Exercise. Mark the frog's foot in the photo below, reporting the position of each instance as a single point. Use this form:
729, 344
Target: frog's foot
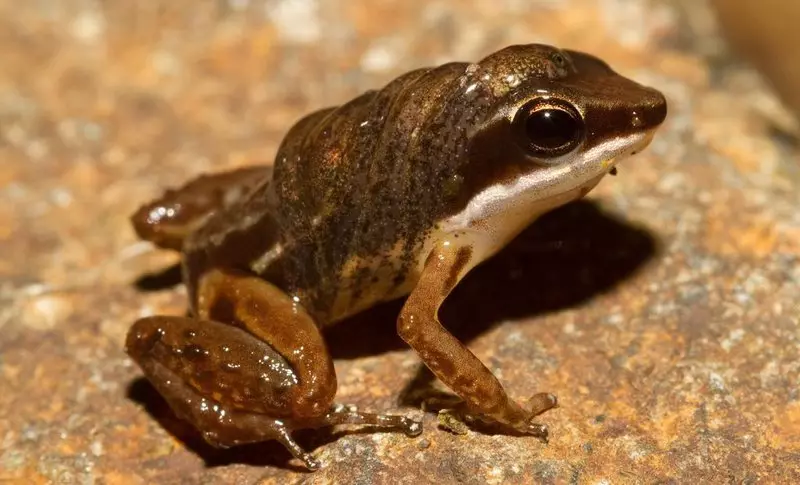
523, 421
342, 414
225, 426
349, 414
244, 427
538, 404
458, 418
259, 428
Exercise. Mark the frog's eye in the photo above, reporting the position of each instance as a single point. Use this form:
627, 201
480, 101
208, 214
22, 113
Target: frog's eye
559, 60
549, 128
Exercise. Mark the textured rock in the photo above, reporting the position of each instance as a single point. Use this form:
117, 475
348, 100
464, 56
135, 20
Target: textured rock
663, 312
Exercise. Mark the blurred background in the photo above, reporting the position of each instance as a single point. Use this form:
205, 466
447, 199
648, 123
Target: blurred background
765, 34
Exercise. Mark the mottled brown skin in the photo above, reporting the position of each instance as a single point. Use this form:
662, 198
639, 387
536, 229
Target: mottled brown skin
387, 195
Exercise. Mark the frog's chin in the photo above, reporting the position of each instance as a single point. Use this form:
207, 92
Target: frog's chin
538, 191
589, 185
610, 165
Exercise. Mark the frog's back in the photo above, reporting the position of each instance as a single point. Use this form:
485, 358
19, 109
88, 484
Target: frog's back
357, 187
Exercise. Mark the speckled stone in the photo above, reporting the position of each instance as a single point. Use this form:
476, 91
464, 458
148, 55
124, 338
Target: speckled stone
663, 311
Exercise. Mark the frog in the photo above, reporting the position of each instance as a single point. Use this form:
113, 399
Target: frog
395, 194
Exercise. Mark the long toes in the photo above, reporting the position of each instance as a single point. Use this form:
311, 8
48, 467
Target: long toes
542, 402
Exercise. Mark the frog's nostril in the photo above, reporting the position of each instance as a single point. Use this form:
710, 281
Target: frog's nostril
657, 112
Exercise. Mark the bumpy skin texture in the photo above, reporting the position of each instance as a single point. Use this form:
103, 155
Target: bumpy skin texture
389, 194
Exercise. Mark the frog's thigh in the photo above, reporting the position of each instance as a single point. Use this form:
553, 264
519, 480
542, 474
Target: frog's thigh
167, 220
224, 381
259, 375
270, 315
447, 357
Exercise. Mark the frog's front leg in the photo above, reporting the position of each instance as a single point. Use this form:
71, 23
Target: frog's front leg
448, 358
251, 367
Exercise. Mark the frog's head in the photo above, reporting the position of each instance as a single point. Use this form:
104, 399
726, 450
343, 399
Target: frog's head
557, 121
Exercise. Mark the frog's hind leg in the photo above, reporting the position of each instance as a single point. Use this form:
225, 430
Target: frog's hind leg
252, 367
167, 220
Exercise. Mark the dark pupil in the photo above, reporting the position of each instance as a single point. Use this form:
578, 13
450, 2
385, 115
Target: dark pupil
550, 128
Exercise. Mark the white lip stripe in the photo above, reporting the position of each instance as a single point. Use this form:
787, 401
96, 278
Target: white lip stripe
542, 184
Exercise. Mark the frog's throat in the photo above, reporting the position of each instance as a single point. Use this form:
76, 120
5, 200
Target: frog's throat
581, 169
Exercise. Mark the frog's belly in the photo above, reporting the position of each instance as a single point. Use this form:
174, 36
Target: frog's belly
365, 282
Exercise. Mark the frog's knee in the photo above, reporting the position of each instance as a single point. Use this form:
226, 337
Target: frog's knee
144, 334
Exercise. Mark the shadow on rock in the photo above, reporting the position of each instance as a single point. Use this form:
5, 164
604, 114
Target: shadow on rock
167, 278
564, 259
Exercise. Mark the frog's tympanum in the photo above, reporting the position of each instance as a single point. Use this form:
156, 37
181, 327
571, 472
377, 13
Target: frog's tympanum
401, 191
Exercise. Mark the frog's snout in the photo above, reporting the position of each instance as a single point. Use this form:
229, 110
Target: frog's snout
652, 112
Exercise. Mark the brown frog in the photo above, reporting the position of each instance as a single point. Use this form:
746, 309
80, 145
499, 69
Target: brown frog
400, 191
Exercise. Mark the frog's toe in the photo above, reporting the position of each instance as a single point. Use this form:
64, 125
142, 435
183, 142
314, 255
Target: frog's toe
311, 463
538, 430
542, 402
411, 427
453, 421
344, 414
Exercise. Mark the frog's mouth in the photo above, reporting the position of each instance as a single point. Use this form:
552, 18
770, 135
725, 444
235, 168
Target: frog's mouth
611, 163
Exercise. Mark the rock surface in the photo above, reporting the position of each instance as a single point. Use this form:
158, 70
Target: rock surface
663, 311
763, 32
